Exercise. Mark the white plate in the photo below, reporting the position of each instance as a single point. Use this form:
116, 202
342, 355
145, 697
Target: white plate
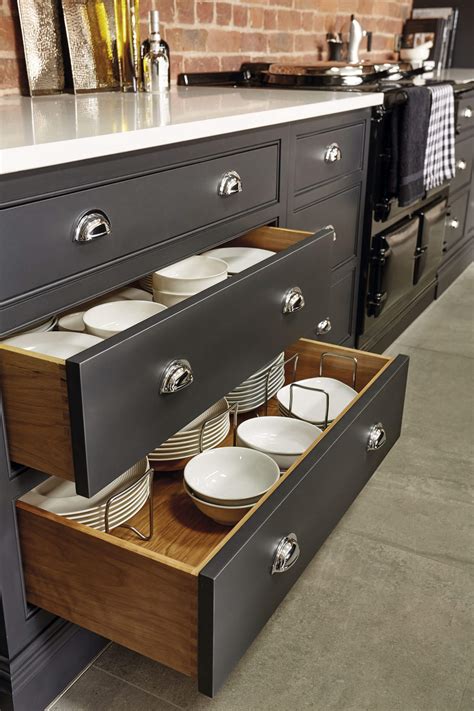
310, 405
176, 442
59, 344
130, 293
278, 359
180, 444
174, 448
240, 258
188, 452
60, 496
254, 390
258, 394
48, 325
218, 407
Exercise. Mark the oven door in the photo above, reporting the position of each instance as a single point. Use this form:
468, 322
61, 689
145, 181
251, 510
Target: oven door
391, 265
429, 250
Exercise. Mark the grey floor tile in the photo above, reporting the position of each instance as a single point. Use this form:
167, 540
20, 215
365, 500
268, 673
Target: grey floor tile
467, 701
96, 690
439, 410
368, 626
406, 507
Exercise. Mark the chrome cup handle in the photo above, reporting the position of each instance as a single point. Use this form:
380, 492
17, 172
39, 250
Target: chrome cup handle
453, 223
333, 153
230, 184
467, 112
323, 327
91, 226
377, 437
461, 164
293, 300
286, 554
177, 376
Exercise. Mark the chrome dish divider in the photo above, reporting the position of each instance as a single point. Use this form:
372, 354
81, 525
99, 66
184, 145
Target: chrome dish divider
117, 496
327, 354
230, 408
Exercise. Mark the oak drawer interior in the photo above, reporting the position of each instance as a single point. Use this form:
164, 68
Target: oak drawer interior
144, 594
43, 432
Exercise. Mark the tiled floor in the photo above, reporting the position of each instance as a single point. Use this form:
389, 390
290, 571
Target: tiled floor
382, 619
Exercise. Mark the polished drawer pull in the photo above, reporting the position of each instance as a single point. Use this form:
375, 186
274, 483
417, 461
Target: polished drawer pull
323, 327
334, 236
453, 223
333, 153
377, 437
286, 554
229, 184
461, 164
293, 300
467, 112
91, 226
177, 376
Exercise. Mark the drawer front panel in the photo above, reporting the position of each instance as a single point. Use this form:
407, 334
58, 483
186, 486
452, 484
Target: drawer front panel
341, 311
341, 211
226, 334
139, 213
237, 593
465, 117
464, 158
456, 221
315, 163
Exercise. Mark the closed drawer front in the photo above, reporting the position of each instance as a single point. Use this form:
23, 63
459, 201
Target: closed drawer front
341, 211
328, 155
196, 595
138, 212
456, 221
464, 158
91, 398
342, 306
465, 117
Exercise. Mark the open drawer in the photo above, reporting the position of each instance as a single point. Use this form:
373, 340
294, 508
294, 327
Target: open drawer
196, 595
62, 416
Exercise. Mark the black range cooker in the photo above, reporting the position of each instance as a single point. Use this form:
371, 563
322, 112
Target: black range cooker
402, 246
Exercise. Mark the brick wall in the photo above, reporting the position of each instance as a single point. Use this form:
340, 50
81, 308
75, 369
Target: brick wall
207, 35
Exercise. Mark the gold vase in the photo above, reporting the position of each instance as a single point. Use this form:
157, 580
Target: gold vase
127, 22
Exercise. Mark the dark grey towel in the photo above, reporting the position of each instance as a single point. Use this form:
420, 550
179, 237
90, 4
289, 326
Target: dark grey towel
393, 143
413, 133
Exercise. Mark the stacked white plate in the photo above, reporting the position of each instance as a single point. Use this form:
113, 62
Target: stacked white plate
310, 405
254, 391
186, 442
54, 343
59, 497
240, 258
43, 327
146, 283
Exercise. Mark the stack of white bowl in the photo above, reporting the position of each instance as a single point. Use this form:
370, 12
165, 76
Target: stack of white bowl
107, 319
75, 321
311, 404
186, 443
59, 497
181, 280
240, 258
226, 483
262, 385
282, 438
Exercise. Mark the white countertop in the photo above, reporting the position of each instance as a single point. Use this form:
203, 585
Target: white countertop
44, 131
460, 76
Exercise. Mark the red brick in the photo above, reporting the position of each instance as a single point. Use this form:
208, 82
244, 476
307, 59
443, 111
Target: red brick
256, 17
205, 12
223, 13
185, 11
240, 16
254, 42
223, 41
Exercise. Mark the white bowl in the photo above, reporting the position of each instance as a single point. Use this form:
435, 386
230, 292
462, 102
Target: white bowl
191, 275
283, 439
418, 54
240, 258
231, 475
225, 515
168, 298
58, 344
108, 319
310, 405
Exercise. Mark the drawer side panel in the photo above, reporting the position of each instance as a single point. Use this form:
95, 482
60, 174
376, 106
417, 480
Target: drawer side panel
110, 589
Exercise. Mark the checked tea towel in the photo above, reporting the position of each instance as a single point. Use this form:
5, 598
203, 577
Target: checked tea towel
439, 156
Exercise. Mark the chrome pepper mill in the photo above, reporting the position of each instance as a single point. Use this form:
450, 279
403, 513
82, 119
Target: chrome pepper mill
355, 38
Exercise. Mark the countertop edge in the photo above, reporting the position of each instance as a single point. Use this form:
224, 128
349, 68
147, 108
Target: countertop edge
34, 157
